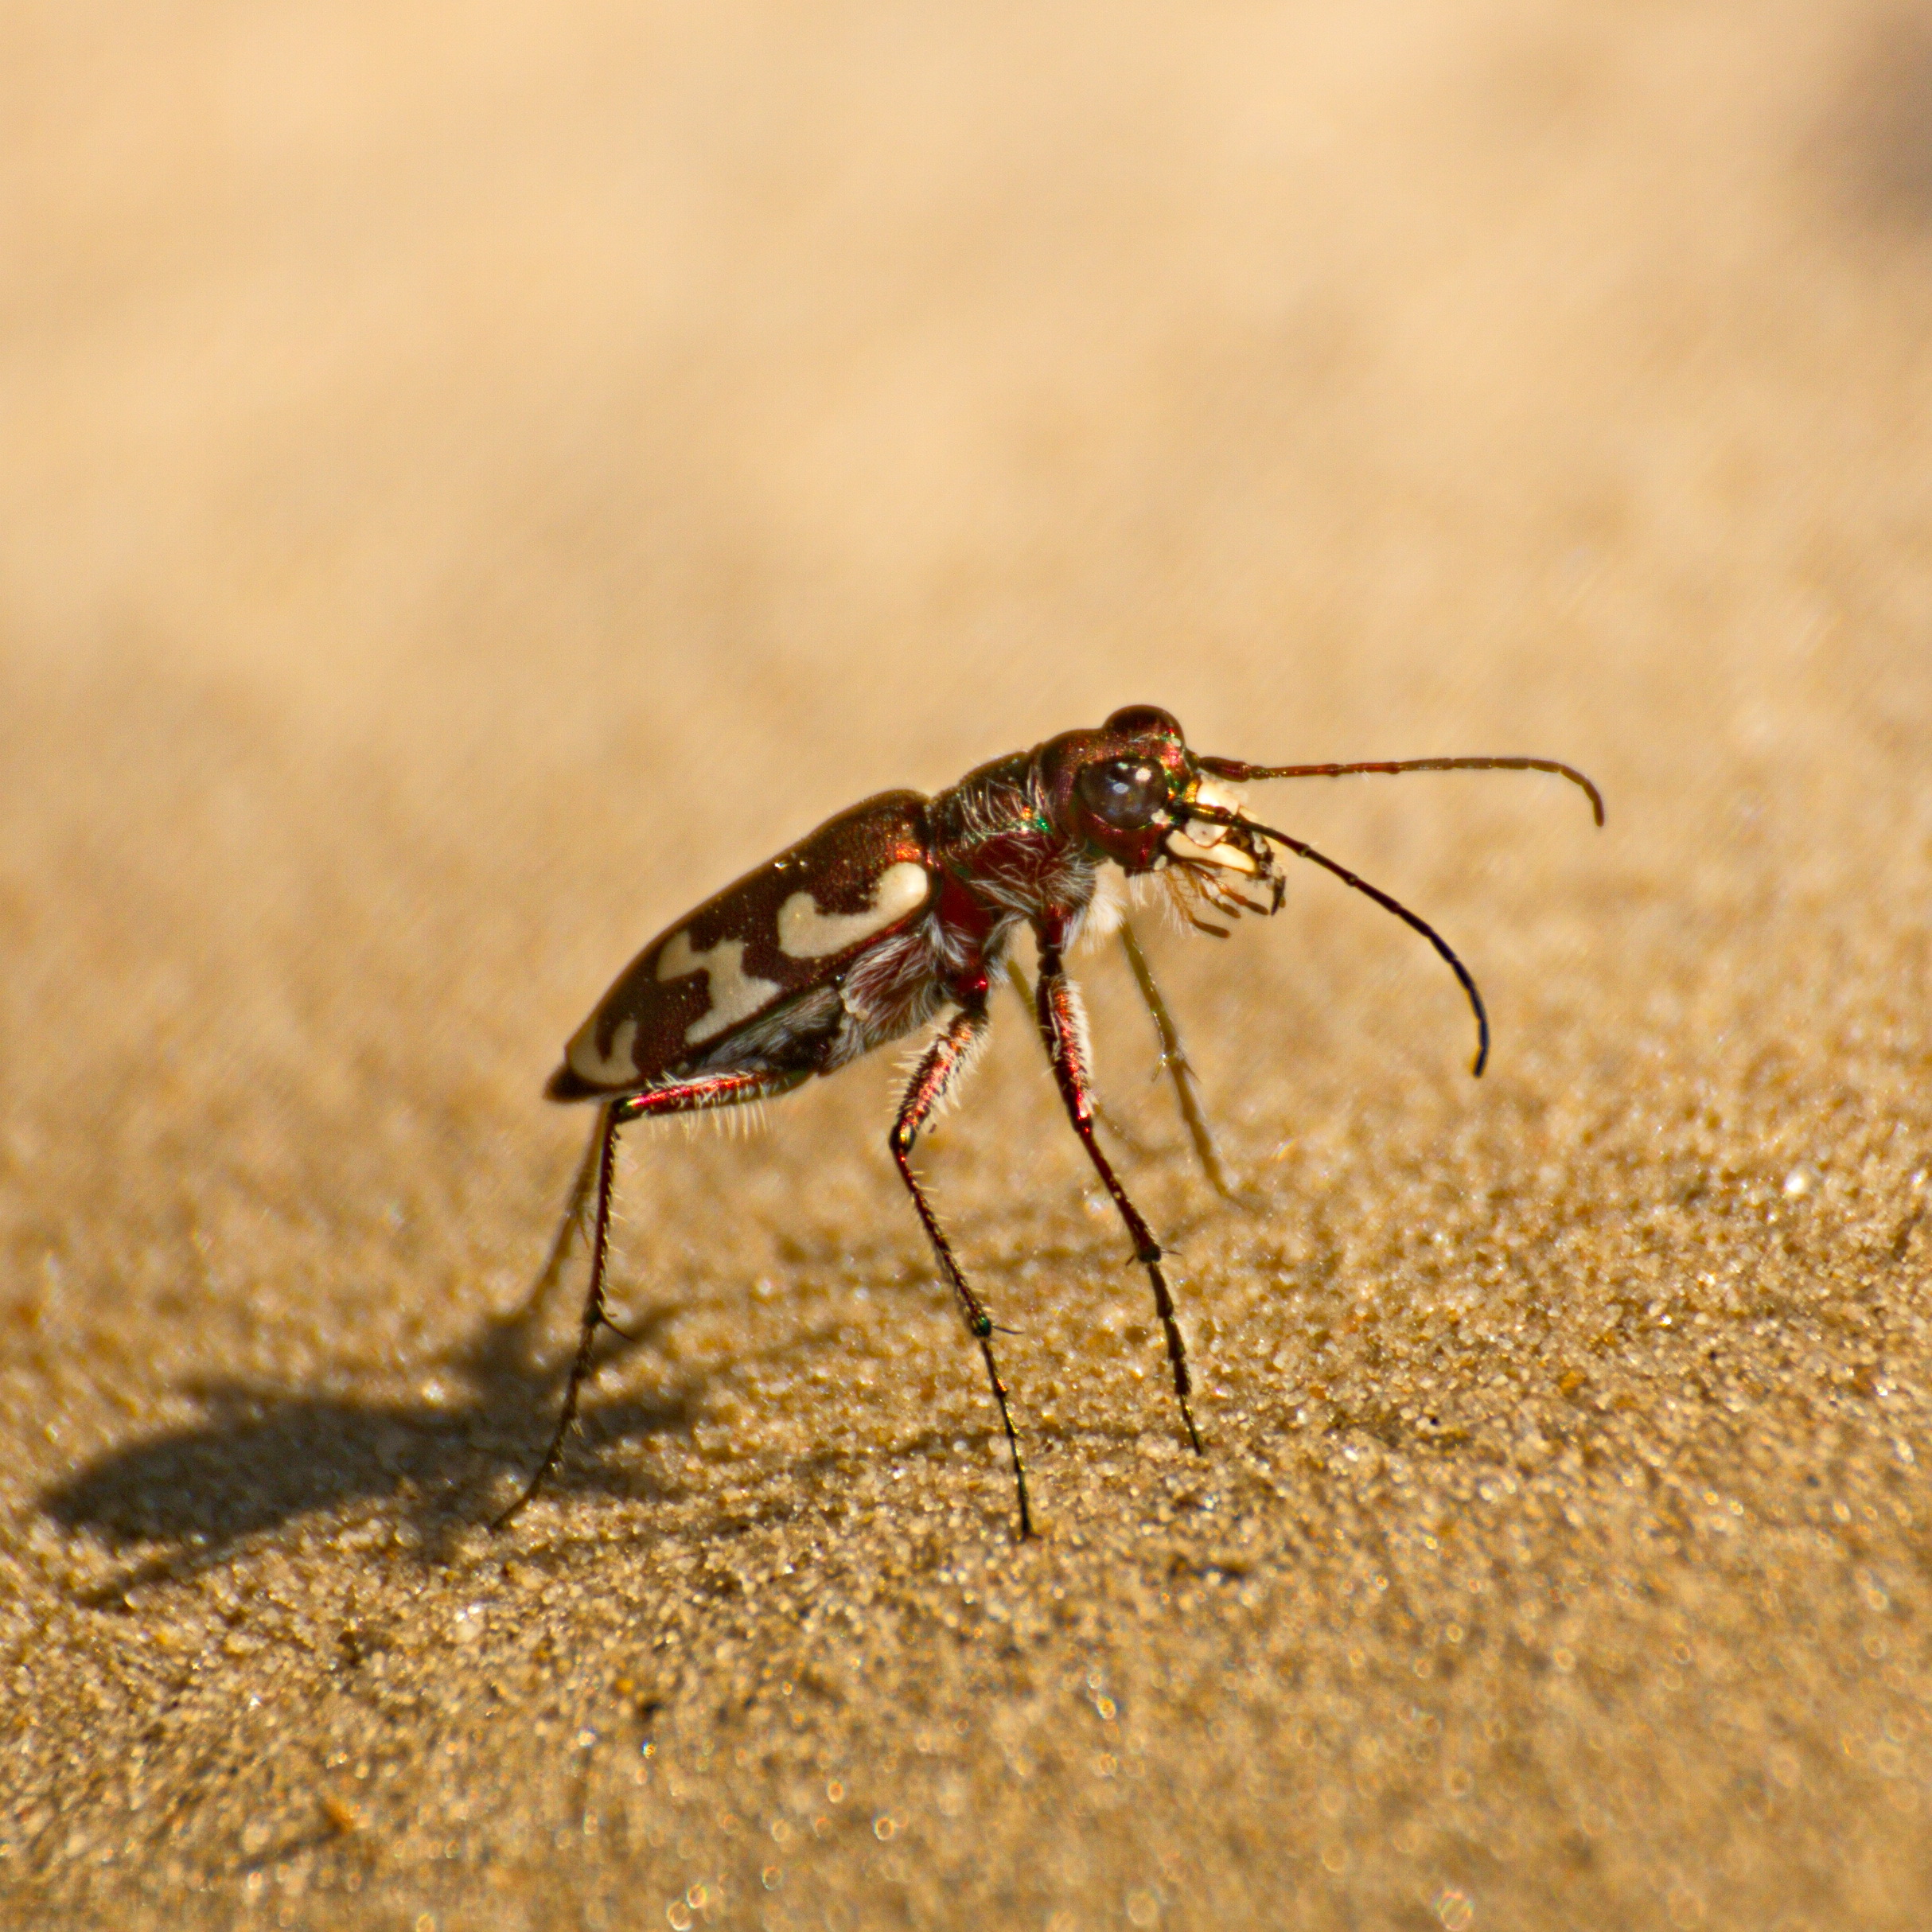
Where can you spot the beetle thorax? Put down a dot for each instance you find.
(995, 834)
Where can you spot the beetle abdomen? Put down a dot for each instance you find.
(735, 970)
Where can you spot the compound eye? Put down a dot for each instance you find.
(1126, 793)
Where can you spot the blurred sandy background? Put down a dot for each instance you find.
(473, 480)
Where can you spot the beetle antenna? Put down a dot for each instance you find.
(1233, 770)
(1303, 849)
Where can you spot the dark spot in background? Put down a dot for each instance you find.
(1879, 135)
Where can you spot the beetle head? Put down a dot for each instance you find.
(1114, 789)
(1133, 793)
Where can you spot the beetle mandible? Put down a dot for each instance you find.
(901, 911)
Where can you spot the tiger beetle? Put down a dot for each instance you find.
(899, 912)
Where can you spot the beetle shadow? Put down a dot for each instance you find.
(263, 1456)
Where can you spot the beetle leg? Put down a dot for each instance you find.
(938, 1067)
(686, 1097)
(1108, 1119)
(569, 1228)
(1175, 1061)
(1060, 1021)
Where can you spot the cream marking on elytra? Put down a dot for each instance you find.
(805, 933)
(616, 1067)
(736, 995)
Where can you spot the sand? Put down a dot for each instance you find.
(476, 480)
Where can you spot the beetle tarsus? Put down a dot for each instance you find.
(1027, 1533)
(939, 1066)
(1175, 1061)
(593, 1317)
(567, 1228)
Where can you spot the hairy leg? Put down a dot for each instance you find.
(1174, 1062)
